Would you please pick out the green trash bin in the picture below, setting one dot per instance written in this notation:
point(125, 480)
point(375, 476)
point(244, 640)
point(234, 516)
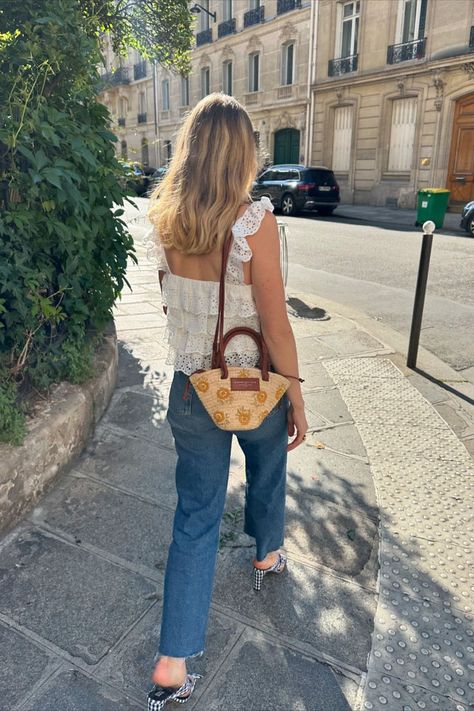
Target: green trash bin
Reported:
point(432, 205)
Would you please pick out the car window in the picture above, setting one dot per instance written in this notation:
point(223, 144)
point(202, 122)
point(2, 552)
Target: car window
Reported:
point(319, 176)
point(268, 175)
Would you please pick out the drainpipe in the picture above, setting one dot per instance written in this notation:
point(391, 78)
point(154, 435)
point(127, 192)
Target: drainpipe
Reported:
point(313, 36)
point(155, 116)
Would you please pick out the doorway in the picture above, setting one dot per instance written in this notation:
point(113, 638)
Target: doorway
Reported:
point(461, 159)
point(287, 146)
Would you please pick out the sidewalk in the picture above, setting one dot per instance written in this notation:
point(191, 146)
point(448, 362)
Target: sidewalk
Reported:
point(394, 218)
point(376, 609)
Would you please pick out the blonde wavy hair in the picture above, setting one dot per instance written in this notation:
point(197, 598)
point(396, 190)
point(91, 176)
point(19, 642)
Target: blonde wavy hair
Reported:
point(209, 177)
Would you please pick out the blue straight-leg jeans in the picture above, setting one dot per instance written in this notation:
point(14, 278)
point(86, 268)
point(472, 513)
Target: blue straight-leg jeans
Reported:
point(202, 473)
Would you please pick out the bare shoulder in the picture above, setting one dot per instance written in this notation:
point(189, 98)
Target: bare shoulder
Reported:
point(266, 236)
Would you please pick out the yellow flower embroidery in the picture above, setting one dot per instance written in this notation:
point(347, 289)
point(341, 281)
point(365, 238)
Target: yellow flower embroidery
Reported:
point(262, 415)
point(219, 417)
point(280, 392)
point(244, 373)
point(223, 394)
point(202, 385)
point(260, 397)
point(244, 416)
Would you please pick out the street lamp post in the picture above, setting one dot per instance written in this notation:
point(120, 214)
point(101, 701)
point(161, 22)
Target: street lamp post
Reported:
point(197, 8)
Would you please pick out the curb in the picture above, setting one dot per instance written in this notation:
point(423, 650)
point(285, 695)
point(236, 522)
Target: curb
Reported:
point(56, 436)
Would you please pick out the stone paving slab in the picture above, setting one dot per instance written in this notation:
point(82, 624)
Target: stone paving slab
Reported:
point(97, 515)
point(307, 604)
point(77, 601)
point(129, 666)
point(343, 439)
point(73, 691)
point(124, 461)
point(22, 665)
point(139, 414)
point(262, 675)
point(328, 404)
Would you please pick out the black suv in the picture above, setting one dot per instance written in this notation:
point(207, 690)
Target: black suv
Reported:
point(296, 187)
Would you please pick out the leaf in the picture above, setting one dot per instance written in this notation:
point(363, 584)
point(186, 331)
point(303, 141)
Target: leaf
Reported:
point(319, 445)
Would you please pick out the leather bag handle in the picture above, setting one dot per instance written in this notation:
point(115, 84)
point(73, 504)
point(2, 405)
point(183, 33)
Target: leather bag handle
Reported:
point(261, 345)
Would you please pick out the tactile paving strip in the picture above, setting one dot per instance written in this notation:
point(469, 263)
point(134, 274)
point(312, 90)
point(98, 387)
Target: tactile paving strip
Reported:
point(422, 654)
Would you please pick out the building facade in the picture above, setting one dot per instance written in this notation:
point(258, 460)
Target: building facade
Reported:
point(255, 51)
point(393, 98)
point(381, 91)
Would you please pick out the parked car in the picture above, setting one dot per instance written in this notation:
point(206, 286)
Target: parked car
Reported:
point(467, 219)
point(134, 178)
point(292, 188)
point(157, 177)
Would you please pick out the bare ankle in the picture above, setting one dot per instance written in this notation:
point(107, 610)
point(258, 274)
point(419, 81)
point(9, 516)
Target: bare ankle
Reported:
point(170, 671)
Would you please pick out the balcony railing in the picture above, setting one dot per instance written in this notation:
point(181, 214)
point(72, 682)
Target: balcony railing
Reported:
point(344, 65)
point(285, 92)
point(287, 5)
point(141, 118)
point(139, 70)
point(471, 38)
point(118, 76)
point(404, 52)
point(253, 17)
point(226, 28)
point(121, 121)
point(204, 37)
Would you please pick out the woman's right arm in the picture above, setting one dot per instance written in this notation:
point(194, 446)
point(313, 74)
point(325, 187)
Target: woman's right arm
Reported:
point(269, 294)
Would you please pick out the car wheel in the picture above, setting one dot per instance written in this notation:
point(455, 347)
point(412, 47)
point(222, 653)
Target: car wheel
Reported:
point(326, 210)
point(288, 205)
point(470, 225)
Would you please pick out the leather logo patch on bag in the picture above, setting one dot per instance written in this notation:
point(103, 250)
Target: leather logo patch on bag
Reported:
point(245, 384)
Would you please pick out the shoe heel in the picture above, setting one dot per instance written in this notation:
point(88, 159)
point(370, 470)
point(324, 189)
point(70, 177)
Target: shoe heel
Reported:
point(257, 578)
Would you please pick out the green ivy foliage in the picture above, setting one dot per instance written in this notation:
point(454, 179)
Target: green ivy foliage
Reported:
point(63, 243)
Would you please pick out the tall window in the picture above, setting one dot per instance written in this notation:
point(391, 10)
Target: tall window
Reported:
point(254, 71)
point(350, 28)
point(227, 77)
point(287, 63)
point(204, 17)
point(122, 107)
point(142, 103)
point(184, 91)
point(255, 4)
point(413, 20)
point(167, 149)
point(342, 141)
point(145, 153)
point(402, 135)
point(165, 94)
point(205, 81)
point(227, 10)
point(124, 149)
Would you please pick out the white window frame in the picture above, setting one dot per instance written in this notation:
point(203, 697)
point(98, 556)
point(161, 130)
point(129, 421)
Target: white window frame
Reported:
point(205, 72)
point(184, 91)
point(227, 10)
point(394, 162)
point(204, 17)
point(284, 64)
point(251, 62)
point(225, 76)
point(339, 27)
point(123, 107)
point(255, 4)
point(165, 94)
point(400, 22)
point(142, 103)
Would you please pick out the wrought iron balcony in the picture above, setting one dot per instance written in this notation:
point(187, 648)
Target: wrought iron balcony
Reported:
point(287, 5)
point(226, 28)
point(139, 70)
point(344, 65)
point(471, 38)
point(121, 121)
point(253, 17)
point(404, 52)
point(204, 37)
point(118, 76)
point(141, 118)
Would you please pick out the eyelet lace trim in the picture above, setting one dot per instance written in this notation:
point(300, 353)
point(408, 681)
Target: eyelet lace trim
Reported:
point(192, 305)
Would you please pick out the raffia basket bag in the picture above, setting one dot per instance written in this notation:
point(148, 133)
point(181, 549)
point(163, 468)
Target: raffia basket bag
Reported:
point(237, 398)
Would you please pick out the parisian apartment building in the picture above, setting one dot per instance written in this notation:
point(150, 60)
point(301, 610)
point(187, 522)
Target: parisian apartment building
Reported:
point(381, 91)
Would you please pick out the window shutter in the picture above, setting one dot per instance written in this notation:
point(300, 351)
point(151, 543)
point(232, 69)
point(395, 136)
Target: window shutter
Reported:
point(342, 141)
point(402, 135)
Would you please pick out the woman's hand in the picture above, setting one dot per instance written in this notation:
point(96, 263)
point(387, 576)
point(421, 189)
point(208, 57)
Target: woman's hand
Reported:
point(297, 425)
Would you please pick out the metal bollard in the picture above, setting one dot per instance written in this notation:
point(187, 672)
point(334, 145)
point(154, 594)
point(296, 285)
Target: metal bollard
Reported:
point(428, 229)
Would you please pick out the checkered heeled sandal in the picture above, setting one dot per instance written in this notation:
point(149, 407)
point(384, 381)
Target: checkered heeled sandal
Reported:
point(160, 695)
point(258, 574)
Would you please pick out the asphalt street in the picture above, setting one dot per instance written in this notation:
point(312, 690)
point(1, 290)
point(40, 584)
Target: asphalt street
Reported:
point(374, 269)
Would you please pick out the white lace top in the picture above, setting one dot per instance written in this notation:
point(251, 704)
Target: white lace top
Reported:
point(192, 305)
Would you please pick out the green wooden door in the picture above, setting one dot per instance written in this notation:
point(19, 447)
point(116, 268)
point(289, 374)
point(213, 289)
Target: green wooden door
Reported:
point(287, 146)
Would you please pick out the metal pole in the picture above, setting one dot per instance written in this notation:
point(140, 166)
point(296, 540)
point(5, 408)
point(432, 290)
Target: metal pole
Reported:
point(428, 229)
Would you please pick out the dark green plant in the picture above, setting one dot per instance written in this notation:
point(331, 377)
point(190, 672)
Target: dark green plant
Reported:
point(63, 243)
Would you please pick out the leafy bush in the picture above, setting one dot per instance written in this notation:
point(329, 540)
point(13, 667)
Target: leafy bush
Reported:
point(63, 244)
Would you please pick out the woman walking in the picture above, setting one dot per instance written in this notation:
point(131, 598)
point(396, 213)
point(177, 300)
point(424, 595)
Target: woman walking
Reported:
point(203, 199)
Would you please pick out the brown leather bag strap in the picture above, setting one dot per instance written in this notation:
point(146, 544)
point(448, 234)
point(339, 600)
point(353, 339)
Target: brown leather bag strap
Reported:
point(261, 345)
point(219, 332)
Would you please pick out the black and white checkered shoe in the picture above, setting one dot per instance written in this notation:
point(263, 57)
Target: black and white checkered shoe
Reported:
point(277, 567)
point(160, 695)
